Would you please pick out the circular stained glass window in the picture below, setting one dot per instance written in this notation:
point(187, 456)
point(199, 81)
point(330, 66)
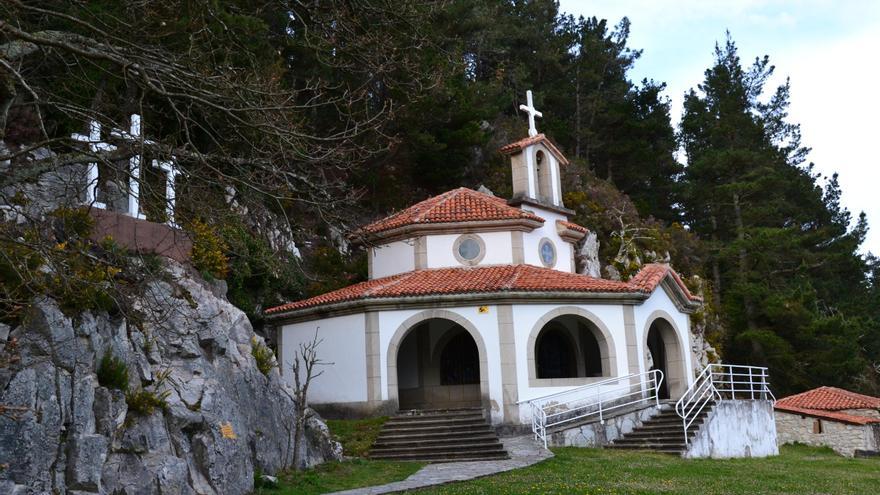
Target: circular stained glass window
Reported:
point(469, 249)
point(547, 252)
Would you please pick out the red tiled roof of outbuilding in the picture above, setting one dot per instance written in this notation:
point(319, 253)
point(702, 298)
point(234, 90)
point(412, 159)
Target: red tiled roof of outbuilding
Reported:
point(830, 399)
point(457, 205)
point(827, 402)
point(832, 415)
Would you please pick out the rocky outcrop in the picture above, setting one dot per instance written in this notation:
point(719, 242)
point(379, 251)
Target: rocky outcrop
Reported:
point(65, 431)
point(588, 256)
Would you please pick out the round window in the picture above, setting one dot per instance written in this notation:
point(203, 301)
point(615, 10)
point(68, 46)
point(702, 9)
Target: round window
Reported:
point(469, 249)
point(547, 252)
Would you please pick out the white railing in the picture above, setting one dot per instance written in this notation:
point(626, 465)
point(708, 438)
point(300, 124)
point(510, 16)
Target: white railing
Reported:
point(718, 382)
point(593, 400)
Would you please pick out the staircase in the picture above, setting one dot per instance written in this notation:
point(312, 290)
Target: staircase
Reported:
point(440, 435)
point(663, 433)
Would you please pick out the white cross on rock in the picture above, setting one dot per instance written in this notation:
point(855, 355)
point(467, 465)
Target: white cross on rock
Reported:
point(530, 109)
point(132, 136)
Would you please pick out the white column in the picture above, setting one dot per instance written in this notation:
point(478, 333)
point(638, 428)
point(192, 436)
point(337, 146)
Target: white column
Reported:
point(134, 169)
point(95, 145)
point(171, 173)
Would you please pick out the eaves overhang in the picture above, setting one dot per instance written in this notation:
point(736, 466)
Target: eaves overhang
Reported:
point(449, 300)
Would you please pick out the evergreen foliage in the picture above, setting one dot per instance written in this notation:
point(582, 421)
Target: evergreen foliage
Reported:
point(113, 372)
point(784, 261)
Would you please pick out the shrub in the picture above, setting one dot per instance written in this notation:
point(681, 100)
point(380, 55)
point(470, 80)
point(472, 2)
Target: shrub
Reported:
point(144, 402)
point(113, 372)
point(258, 275)
point(263, 355)
point(209, 250)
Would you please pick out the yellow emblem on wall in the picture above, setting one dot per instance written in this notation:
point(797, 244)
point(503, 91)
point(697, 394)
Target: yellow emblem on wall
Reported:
point(227, 432)
point(483, 309)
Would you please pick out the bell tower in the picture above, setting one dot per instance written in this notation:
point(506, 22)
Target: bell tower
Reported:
point(534, 163)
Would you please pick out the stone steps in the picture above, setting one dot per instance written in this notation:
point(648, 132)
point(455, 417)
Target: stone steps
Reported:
point(663, 433)
point(443, 435)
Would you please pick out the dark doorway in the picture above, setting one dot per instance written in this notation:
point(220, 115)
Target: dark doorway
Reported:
point(657, 348)
point(460, 361)
point(438, 367)
point(556, 357)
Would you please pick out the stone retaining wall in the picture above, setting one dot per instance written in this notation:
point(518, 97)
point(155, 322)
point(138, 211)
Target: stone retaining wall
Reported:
point(596, 434)
point(844, 438)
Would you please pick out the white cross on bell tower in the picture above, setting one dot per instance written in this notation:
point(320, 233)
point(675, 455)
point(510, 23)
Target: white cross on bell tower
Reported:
point(530, 109)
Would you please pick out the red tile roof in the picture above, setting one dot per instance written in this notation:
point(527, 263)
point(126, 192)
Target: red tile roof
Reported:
point(831, 399)
point(650, 276)
point(518, 146)
point(457, 205)
point(500, 278)
point(832, 415)
point(826, 402)
point(572, 226)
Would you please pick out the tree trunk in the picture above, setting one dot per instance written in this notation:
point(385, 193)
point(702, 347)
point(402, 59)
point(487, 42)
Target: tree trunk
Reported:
point(577, 111)
point(716, 266)
point(743, 262)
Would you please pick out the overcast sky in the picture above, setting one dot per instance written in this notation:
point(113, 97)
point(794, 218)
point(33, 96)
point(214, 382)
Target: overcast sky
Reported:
point(829, 49)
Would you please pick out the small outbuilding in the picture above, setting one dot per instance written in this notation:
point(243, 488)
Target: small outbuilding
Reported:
point(846, 421)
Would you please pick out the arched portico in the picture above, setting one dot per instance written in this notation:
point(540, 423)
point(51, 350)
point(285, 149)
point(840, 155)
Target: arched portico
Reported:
point(662, 342)
point(437, 358)
point(573, 339)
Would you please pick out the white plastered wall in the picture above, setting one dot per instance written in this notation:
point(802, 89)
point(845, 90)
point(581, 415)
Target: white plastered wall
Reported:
point(343, 345)
point(499, 249)
point(393, 258)
point(526, 317)
point(486, 325)
point(532, 241)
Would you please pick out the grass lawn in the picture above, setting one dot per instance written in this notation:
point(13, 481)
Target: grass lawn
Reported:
point(356, 437)
point(798, 470)
point(335, 476)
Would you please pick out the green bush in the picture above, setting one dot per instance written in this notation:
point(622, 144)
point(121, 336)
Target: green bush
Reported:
point(209, 250)
point(263, 355)
point(145, 402)
point(259, 277)
point(113, 372)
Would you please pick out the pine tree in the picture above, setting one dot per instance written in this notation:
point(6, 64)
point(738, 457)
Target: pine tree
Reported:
point(784, 260)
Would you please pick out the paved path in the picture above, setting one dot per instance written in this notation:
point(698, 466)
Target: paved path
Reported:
point(524, 451)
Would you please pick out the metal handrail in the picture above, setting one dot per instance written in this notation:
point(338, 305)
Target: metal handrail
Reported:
point(720, 381)
point(594, 399)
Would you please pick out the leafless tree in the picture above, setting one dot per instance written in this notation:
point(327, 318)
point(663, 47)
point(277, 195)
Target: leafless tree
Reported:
point(305, 364)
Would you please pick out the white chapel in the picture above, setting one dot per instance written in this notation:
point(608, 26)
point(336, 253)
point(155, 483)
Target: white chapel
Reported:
point(475, 301)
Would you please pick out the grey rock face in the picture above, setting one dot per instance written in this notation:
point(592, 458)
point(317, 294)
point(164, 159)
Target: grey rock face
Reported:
point(588, 256)
point(611, 273)
point(224, 419)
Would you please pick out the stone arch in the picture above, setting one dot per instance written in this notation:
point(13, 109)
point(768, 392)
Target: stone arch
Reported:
point(600, 332)
point(675, 372)
point(413, 321)
point(543, 173)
